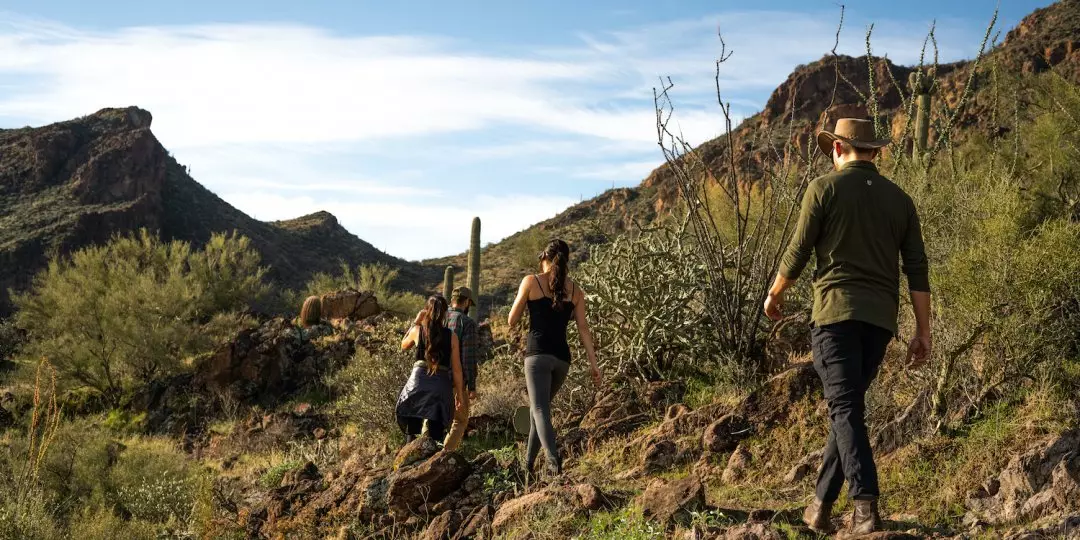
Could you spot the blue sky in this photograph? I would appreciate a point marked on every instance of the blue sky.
(405, 119)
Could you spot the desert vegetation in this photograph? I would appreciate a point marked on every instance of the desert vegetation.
(162, 389)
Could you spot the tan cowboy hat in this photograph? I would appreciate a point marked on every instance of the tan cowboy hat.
(855, 131)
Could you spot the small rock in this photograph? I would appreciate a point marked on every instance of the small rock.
(590, 497)
(676, 411)
(659, 456)
(807, 466)
(725, 434)
(737, 464)
(477, 524)
(752, 531)
(663, 393)
(440, 528)
(302, 409)
(319, 434)
(671, 503)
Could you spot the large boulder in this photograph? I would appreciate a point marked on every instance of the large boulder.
(1041, 482)
(412, 490)
(257, 362)
(571, 500)
(514, 510)
(672, 503)
(349, 304)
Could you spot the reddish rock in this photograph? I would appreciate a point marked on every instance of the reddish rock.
(349, 304)
(427, 483)
(513, 510)
(659, 456)
(725, 434)
(671, 503)
(736, 466)
(662, 394)
(1042, 481)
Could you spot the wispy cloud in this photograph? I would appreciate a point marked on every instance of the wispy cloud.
(395, 134)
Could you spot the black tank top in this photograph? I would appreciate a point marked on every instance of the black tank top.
(547, 327)
(444, 348)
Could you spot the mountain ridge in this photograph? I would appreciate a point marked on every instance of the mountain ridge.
(75, 183)
(1044, 40)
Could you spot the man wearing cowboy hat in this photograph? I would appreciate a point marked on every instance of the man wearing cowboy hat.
(863, 228)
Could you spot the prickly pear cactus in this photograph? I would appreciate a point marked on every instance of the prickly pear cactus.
(448, 281)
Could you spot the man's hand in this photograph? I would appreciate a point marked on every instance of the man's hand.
(919, 350)
(773, 304)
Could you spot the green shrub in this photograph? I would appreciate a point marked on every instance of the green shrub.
(134, 309)
(96, 523)
(367, 388)
(28, 518)
(376, 278)
(153, 481)
(273, 476)
(11, 340)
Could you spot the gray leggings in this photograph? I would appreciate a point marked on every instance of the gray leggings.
(544, 375)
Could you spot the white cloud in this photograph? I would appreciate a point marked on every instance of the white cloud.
(282, 120)
(409, 229)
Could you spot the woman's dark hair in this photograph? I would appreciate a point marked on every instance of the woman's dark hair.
(432, 321)
(558, 254)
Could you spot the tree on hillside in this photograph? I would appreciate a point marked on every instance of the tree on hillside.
(134, 309)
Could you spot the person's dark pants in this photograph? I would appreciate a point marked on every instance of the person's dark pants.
(847, 356)
(414, 427)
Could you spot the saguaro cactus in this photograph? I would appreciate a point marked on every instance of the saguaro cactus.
(473, 275)
(448, 281)
(922, 86)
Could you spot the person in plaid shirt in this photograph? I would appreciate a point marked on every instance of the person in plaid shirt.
(460, 323)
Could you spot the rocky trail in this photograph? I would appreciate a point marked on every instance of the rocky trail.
(638, 453)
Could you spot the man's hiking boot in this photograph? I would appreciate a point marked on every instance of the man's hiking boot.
(865, 520)
(818, 516)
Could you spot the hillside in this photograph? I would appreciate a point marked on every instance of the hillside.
(75, 183)
(1045, 40)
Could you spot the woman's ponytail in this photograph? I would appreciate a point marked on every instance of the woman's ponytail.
(558, 254)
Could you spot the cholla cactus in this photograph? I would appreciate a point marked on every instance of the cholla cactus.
(922, 85)
(448, 281)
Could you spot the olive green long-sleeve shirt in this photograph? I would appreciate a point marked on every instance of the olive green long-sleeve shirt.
(862, 227)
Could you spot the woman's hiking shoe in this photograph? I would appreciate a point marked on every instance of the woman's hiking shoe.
(818, 516)
(865, 520)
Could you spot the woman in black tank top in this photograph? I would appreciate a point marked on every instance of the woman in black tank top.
(429, 395)
(553, 300)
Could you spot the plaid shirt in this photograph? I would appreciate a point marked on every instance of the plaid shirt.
(465, 328)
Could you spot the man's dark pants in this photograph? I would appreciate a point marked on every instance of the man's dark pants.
(847, 356)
